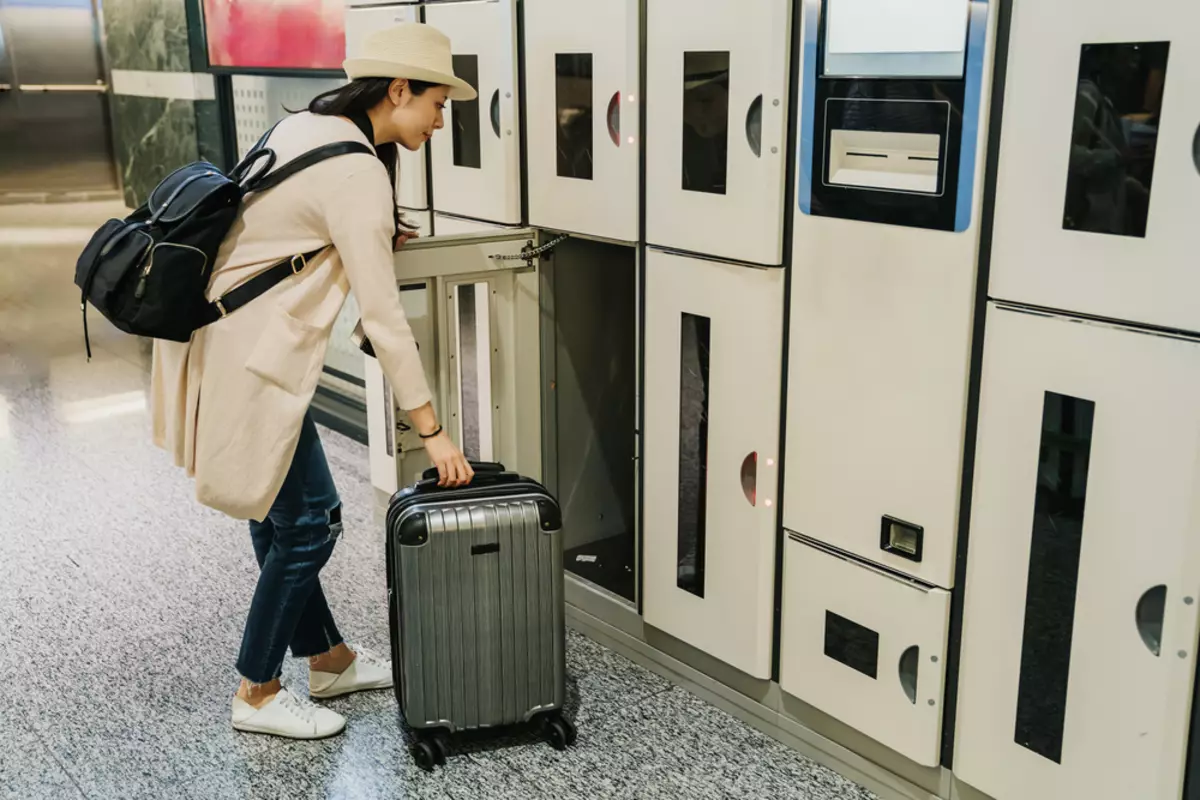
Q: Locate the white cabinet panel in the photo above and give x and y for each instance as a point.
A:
(717, 95)
(1097, 194)
(476, 159)
(712, 388)
(412, 177)
(581, 72)
(397, 454)
(1080, 622)
(866, 647)
(453, 226)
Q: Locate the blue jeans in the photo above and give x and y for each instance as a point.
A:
(292, 545)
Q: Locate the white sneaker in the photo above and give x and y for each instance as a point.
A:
(366, 672)
(288, 716)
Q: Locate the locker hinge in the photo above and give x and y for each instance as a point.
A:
(529, 252)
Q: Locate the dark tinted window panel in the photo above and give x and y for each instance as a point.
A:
(1061, 490)
(693, 450)
(852, 644)
(573, 73)
(468, 370)
(705, 121)
(464, 116)
(1118, 108)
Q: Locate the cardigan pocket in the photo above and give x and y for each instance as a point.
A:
(287, 352)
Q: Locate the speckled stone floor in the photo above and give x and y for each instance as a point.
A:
(122, 601)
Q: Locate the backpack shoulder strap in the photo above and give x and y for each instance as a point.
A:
(307, 160)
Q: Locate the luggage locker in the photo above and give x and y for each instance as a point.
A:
(1080, 627)
(362, 19)
(473, 309)
(866, 646)
(476, 159)
(475, 589)
(1100, 177)
(454, 226)
(716, 137)
(713, 341)
(582, 76)
(884, 276)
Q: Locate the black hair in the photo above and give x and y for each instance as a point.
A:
(355, 99)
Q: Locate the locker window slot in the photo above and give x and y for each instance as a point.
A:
(694, 358)
(852, 644)
(464, 117)
(1114, 139)
(574, 123)
(705, 121)
(474, 371)
(1060, 494)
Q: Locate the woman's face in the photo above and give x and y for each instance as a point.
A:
(411, 119)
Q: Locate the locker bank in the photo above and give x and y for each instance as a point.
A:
(859, 341)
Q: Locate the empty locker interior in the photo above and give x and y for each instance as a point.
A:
(589, 328)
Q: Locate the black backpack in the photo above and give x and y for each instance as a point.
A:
(148, 274)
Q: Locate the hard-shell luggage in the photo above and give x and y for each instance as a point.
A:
(475, 587)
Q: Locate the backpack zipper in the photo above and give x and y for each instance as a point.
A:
(140, 291)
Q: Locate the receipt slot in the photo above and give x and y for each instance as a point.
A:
(891, 110)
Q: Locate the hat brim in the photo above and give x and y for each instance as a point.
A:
(371, 68)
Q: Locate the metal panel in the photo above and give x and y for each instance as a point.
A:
(54, 115)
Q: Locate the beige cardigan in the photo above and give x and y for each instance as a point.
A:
(228, 405)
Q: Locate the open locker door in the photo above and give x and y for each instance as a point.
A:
(473, 304)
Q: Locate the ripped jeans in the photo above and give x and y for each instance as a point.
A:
(292, 545)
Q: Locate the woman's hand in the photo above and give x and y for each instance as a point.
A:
(402, 239)
(453, 469)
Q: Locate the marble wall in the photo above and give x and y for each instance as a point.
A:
(164, 115)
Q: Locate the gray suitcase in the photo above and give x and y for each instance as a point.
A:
(475, 588)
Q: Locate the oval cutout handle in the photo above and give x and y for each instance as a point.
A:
(910, 663)
(1196, 149)
(1150, 610)
(614, 119)
(750, 478)
(754, 126)
(495, 112)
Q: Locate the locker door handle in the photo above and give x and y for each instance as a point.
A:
(495, 112)
(750, 478)
(1150, 610)
(909, 664)
(614, 119)
(5, 87)
(754, 126)
(1196, 149)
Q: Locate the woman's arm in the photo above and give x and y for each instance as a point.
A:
(358, 214)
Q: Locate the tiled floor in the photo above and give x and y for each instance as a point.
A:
(121, 604)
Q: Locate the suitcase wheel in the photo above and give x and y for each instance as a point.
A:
(427, 755)
(559, 731)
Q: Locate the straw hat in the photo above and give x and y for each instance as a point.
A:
(409, 50)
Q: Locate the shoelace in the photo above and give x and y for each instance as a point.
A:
(304, 709)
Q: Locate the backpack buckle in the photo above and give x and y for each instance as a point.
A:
(221, 307)
(296, 270)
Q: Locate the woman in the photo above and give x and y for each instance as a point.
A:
(232, 404)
